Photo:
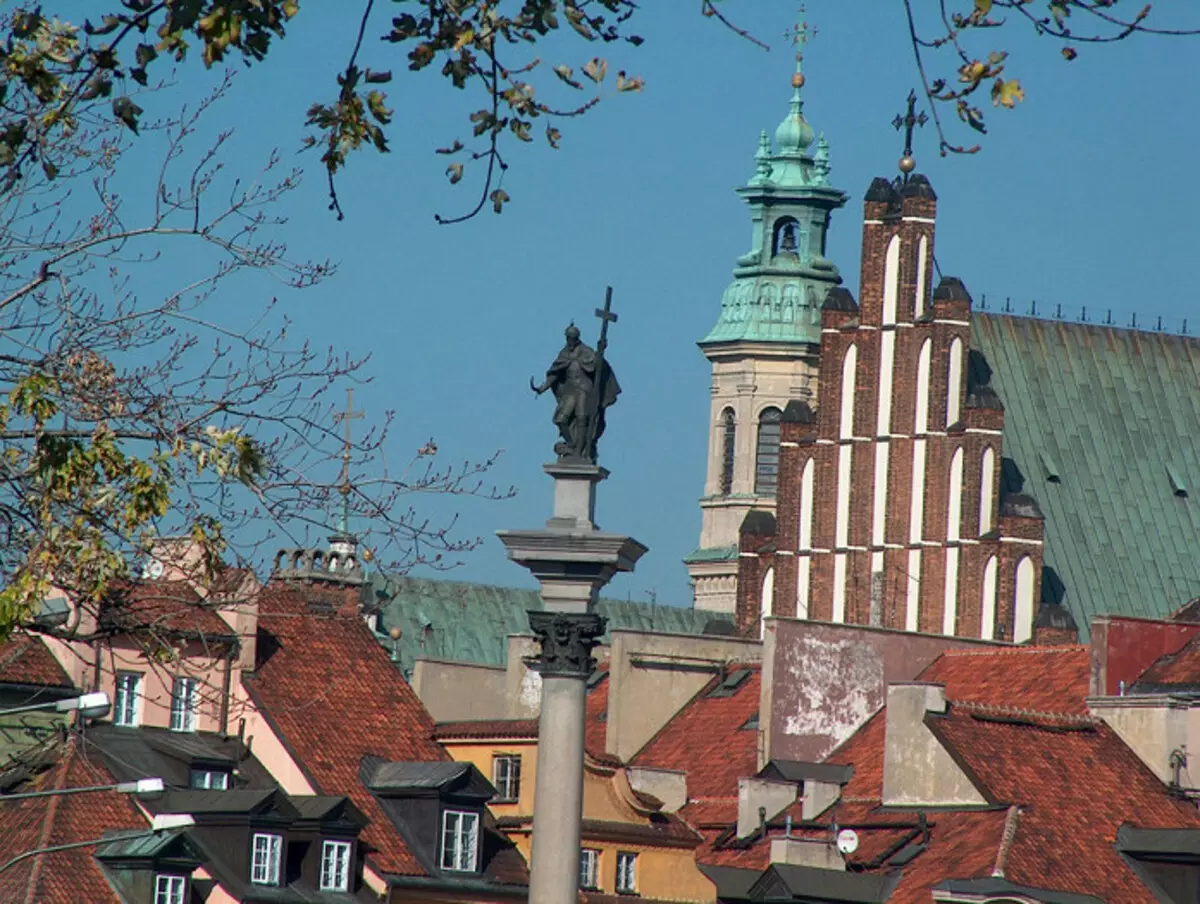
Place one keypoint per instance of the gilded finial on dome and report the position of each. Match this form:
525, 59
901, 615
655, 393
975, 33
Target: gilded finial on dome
794, 134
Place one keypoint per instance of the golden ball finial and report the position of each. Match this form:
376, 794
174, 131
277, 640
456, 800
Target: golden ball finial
798, 80
395, 633
907, 164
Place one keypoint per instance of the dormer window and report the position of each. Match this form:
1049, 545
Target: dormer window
267, 852
335, 866
183, 705
170, 889
210, 779
460, 840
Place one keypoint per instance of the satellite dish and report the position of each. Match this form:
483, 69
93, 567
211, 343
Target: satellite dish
153, 569
847, 841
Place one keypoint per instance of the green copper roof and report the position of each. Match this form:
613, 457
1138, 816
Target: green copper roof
471, 622
1101, 426
712, 554
779, 285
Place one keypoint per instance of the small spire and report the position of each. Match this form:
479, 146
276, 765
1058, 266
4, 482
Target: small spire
794, 134
800, 34
762, 162
821, 166
344, 487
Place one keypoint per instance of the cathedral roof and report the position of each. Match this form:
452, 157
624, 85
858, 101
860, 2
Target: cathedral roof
1099, 430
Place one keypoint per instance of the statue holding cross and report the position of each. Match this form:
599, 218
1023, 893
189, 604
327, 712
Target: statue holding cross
584, 386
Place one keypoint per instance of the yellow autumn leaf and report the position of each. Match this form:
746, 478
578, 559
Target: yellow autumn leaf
1007, 93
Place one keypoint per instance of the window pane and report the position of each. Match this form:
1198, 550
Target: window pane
335, 866
128, 686
626, 872
264, 867
729, 425
589, 862
766, 465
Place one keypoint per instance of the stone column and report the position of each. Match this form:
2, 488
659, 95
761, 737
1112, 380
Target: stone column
572, 560
565, 664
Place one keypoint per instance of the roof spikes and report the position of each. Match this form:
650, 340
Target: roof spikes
1160, 322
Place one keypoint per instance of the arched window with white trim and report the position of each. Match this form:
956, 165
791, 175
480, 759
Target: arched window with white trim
954, 379
987, 489
766, 456
849, 368
1023, 609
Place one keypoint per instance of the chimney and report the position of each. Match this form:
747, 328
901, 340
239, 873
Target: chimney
667, 785
917, 769
819, 853
1154, 726
761, 800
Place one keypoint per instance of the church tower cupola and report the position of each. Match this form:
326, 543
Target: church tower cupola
764, 345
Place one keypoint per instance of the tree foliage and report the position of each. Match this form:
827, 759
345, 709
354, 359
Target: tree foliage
138, 399
493, 51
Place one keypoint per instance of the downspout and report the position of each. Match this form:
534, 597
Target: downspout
226, 683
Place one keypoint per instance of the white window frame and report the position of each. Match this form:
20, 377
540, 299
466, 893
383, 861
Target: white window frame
589, 869
460, 841
335, 865
626, 872
183, 709
170, 889
508, 788
270, 846
207, 783
126, 711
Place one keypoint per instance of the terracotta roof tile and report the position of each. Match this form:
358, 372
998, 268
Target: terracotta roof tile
25, 659
167, 607
1177, 669
333, 695
1047, 679
507, 729
596, 727
706, 739
65, 877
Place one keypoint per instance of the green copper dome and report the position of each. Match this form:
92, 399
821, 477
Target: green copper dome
779, 285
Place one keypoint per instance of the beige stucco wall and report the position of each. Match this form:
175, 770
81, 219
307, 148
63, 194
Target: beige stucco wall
1153, 725
456, 691
654, 675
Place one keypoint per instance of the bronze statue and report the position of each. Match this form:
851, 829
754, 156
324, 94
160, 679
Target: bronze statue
584, 386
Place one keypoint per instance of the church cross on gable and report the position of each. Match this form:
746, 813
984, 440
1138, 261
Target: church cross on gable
764, 345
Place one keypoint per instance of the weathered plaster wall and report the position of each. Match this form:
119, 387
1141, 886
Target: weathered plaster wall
482, 752
822, 681
457, 691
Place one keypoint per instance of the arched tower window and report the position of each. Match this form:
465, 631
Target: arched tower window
787, 238
728, 449
766, 461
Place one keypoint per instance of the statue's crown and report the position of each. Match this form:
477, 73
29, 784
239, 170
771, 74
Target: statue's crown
572, 331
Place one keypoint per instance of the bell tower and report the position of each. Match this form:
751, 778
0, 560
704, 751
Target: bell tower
764, 345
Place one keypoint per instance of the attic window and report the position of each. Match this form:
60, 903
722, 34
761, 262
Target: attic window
730, 683
1178, 487
1049, 468
750, 724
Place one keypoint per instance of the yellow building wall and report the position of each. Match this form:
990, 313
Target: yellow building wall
668, 873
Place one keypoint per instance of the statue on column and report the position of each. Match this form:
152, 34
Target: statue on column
584, 386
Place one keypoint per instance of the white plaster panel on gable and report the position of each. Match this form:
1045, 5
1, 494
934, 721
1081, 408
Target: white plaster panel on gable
916, 520
767, 601
891, 280
879, 510
950, 605
922, 263
806, 505
849, 368
912, 611
837, 687
803, 578
921, 419
954, 383
954, 502
839, 587
987, 626
887, 375
842, 521
987, 477
1023, 610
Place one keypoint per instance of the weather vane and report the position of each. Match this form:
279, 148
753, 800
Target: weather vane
908, 121
800, 34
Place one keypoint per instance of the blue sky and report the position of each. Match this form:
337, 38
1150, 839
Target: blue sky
1084, 195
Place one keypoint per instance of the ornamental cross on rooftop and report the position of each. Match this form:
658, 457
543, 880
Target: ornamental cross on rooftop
909, 121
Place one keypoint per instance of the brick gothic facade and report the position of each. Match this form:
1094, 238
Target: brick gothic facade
889, 510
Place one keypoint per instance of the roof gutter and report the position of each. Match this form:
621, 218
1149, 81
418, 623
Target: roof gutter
439, 883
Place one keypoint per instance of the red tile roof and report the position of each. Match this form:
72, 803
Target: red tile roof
1180, 668
64, 877
332, 694
167, 607
595, 728
706, 740
1046, 679
483, 729
25, 659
